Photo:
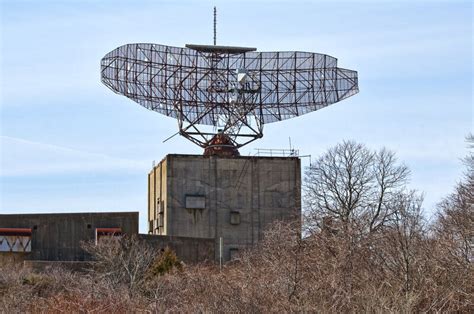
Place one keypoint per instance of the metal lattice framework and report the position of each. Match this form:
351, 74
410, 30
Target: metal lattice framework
235, 90
15, 240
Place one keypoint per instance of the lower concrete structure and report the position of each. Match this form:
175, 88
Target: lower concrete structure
58, 237
43, 240
228, 199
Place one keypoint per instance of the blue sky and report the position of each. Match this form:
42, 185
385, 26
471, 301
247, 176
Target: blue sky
69, 144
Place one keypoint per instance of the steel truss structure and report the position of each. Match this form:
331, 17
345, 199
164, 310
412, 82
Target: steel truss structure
233, 91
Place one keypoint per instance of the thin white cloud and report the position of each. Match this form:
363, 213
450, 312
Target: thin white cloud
22, 157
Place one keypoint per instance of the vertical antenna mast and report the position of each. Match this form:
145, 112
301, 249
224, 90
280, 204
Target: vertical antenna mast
215, 23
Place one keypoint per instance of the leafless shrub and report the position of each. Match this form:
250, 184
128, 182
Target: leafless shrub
121, 260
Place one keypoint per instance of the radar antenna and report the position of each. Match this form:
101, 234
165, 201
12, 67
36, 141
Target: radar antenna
223, 95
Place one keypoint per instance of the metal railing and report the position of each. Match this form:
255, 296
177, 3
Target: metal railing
275, 152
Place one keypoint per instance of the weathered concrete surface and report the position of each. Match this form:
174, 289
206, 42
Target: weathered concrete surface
241, 197
57, 237
189, 250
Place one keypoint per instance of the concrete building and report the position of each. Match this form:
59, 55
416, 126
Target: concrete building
202, 207
214, 197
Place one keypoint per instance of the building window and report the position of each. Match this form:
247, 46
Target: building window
15, 240
107, 233
235, 218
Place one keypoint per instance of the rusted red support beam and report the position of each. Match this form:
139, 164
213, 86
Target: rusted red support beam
15, 231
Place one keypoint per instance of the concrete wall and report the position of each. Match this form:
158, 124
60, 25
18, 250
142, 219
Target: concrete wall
57, 237
241, 197
189, 250
157, 202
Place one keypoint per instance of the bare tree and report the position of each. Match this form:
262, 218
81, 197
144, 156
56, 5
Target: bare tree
401, 251
453, 244
455, 217
469, 176
352, 192
353, 187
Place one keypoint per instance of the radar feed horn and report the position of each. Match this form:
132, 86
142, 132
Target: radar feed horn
223, 95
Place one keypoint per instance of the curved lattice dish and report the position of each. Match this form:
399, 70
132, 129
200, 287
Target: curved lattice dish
235, 89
